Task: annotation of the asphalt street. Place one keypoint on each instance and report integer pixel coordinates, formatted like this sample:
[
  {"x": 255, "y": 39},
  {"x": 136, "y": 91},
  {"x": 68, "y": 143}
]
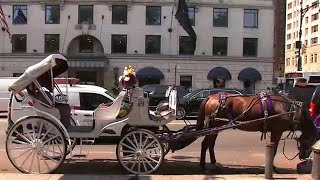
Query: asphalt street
[{"x": 239, "y": 152}]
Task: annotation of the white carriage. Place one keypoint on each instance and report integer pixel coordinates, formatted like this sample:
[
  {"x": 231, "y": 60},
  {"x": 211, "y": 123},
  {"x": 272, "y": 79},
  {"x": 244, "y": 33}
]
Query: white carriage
[{"x": 40, "y": 143}]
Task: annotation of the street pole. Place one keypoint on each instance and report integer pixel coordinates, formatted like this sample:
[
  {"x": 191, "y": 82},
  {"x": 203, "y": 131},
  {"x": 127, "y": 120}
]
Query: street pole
[
  {"x": 175, "y": 75},
  {"x": 303, "y": 12},
  {"x": 299, "y": 43}
]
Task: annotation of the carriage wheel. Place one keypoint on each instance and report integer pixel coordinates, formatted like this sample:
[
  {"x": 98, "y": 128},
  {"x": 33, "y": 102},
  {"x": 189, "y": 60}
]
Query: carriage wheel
[
  {"x": 140, "y": 152},
  {"x": 36, "y": 145}
]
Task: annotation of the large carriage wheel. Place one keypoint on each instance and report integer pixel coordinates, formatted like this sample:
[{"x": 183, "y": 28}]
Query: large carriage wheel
[
  {"x": 140, "y": 152},
  {"x": 36, "y": 145}
]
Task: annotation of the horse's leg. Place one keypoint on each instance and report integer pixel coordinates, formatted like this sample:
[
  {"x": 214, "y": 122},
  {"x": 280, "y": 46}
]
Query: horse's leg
[
  {"x": 275, "y": 138},
  {"x": 204, "y": 147},
  {"x": 212, "y": 141}
]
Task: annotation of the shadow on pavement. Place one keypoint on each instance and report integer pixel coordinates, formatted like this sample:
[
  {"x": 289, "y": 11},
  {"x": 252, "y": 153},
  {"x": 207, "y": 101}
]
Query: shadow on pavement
[{"x": 168, "y": 167}]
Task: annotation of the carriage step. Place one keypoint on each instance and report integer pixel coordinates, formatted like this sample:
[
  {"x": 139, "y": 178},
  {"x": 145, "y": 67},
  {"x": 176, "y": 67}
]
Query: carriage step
[
  {"x": 80, "y": 128},
  {"x": 79, "y": 155}
]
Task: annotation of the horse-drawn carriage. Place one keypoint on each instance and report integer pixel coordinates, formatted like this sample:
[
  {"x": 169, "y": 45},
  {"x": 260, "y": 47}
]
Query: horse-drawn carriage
[{"x": 40, "y": 143}]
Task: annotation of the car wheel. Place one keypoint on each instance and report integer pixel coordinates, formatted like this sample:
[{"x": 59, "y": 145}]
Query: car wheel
[{"x": 181, "y": 113}]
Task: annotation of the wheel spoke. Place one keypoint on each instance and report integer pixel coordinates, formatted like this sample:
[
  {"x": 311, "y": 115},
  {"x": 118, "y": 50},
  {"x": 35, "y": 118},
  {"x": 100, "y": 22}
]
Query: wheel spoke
[
  {"x": 148, "y": 162},
  {"x": 23, "y": 137},
  {"x": 22, "y": 153},
  {"x": 25, "y": 160},
  {"x": 27, "y": 146},
  {"x": 127, "y": 151},
  {"x": 20, "y": 142},
  {"x": 128, "y": 146},
  {"x": 129, "y": 156},
  {"x": 131, "y": 143},
  {"x": 34, "y": 153},
  {"x": 134, "y": 164},
  {"x": 45, "y": 142},
  {"x": 55, "y": 161},
  {"x": 40, "y": 129},
  {"x": 41, "y": 158},
  {"x": 49, "y": 130},
  {"x": 144, "y": 165},
  {"x": 140, "y": 140},
  {"x": 152, "y": 159},
  {"x": 38, "y": 162},
  {"x": 130, "y": 160},
  {"x": 145, "y": 148},
  {"x": 139, "y": 166},
  {"x": 135, "y": 140}
]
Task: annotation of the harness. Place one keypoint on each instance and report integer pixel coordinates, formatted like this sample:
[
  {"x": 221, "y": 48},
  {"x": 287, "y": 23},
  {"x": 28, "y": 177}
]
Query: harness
[{"x": 266, "y": 110}]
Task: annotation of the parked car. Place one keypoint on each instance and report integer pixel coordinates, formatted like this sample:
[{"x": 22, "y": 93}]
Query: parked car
[
  {"x": 83, "y": 100},
  {"x": 5, "y": 94},
  {"x": 314, "y": 107},
  {"x": 157, "y": 93},
  {"x": 188, "y": 106}
]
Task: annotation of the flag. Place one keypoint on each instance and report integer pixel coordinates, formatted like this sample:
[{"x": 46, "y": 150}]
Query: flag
[
  {"x": 182, "y": 15},
  {"x": 20, "y": 18},
  {"x": 3, "y": 22}
]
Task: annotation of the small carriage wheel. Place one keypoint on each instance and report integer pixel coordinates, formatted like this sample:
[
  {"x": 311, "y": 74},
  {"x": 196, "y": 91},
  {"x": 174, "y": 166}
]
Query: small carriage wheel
[
  {"x": 181, "y": 113},
  {"x": 140, "y": 152},
  {"x": 36, "y": 145}
]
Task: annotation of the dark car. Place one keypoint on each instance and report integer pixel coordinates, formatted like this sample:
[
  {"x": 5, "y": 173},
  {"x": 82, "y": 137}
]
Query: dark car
[
  {"x": 314, "y": 106},
  {"x": 157, "y": 93},
  {"x": 188, "y": 106}
]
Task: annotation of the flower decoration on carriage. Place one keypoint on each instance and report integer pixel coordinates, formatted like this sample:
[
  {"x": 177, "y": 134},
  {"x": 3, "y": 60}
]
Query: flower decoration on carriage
[{"x": 129, "y": 78}]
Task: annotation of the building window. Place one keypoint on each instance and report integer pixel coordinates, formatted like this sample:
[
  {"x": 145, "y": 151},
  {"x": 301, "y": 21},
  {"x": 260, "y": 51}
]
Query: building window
[
  {"x": 251, "y": 18},
  {"x": 220, "y": 46},
  {"x": 311, "y": 58},
  {"x": 220, "y": 17},
  {"x": 289, "y": 26},
  {"x": 19, "y": 43},
  {"x": 192, "y": 15},
  {"x": 314, "y": 41},
  {"x": 250, "y": 46},
  {"x": 86, "y": 44},
  {"x": 288, "y": 46},
  {"x": 307, "y": 20},
  {"x": 52, "y": 14},
  {"x": 289, "y": 36},
  {"x": 315, "y": 57},
  {"x": 314, "y": 28},
  {"x": 20, "y": 14},
  {"x": 85, "y": 14},
  {"x": 289, "y": 16},
  {"x": 119, "y": 14},
  {"x": 306, "y": 42},
  {"x": 290, "y": 5},
  {"x": 51, "y": 43},
  {"x": 153, "y": 44},
  {"x": 185, "y": 45},
  {"x": 118, "y": 43},
  {"x": 16, "y": 74},
  {"x": 306, "y": 31},
  {"x": 305, "y": 59},
  {"x": 186, "y": 81},
  {"x": 153, "y": 15},
  {"x": 315, "y": 17}
]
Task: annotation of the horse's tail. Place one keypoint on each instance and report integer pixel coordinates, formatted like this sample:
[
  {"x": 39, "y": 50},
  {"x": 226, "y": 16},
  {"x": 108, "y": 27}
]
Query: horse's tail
[{"x": 202, "y": 114}]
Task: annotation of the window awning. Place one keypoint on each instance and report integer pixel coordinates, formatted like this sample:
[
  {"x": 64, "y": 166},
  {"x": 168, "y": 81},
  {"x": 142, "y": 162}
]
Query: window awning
[
  {"x": 219, "y": 72},
  {"x": 250, "y": 74},
  {"x": 88, "y": 62},
  {"x": 150, "y": 72}
]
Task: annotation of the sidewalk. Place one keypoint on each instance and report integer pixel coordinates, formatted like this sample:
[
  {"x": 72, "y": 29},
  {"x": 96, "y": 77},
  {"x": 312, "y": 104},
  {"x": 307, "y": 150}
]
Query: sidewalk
[{"x": 20, "y": 176}]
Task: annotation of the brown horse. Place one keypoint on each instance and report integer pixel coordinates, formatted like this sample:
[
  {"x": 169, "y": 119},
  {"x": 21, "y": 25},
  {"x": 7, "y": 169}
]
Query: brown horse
[{"x": 246, "y": 108}]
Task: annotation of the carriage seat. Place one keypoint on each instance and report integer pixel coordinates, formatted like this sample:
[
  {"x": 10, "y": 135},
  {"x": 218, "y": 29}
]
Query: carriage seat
[
  {"x": 105, "y": 113},
  {"x": 160, "y": 113},
  {"x": 61, "y": 111}
]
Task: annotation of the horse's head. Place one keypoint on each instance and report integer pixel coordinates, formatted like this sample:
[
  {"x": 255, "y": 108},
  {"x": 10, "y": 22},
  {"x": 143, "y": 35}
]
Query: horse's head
[{"x": 308, "y": 136}]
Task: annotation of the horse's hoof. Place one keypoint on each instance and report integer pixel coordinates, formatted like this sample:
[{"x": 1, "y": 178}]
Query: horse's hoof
[
  {"x": 217, "y": 166},
  {"x": 203, "y": 167}
]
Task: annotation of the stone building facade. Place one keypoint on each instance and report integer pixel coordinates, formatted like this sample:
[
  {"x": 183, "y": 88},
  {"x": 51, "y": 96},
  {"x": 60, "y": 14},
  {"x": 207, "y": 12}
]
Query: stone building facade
[{"x": 99, "y": 38}]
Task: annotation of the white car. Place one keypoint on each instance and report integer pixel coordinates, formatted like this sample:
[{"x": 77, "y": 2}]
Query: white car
[
  {"x": 5, "y": 94},
  {"x": 83, "y": 100}
]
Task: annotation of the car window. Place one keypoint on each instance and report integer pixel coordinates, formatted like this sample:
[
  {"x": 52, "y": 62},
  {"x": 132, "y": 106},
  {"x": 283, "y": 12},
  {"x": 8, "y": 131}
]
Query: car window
[
  {"x": 111, "y": 94},
  {"x": 149, "y": 88},
  {"x": 161, "y": 89},
  {"x": 90, "y": 101},
  {"x": 202, "y": 94}
]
